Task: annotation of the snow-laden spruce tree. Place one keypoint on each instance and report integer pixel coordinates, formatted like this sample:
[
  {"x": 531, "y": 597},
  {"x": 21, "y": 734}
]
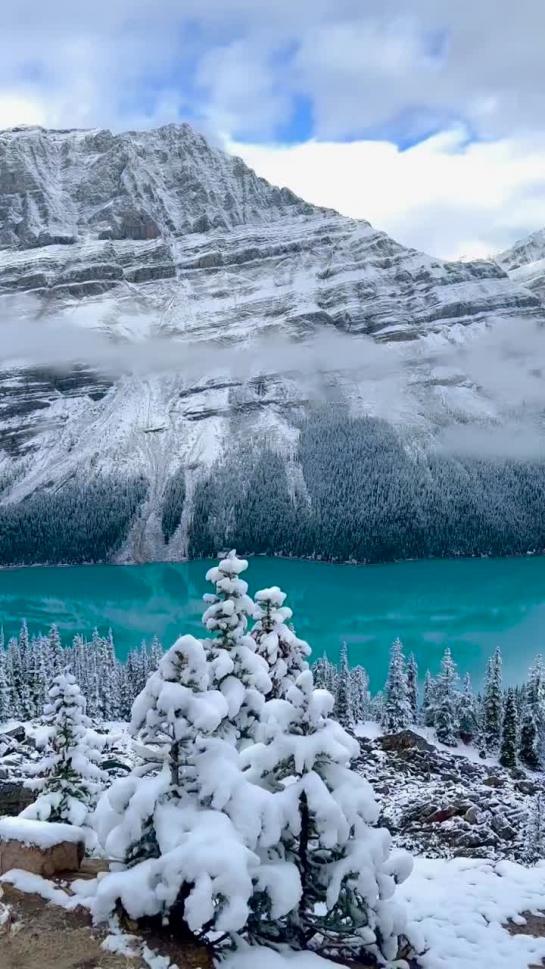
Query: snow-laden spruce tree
[
  {"x": 343, "y": 694},
  {"x": 359, "y": 692},
  {"x": 67, "y": 778},
  {"x": 285, "y": 654},
  {"x": 536, "y": 701},
  {"x": 236, "y": 668},
  {"x": 509, "y": 731},
  {"x": 397, "y": 710},
  {"x": 325, "y": 674},
  {"x": 468, "y": 717},
  {"x": 6, "y": 701},
  {"x": 446, "y": 701},
  {"x": 493, "y": 704},
  {"x": 346, "y": 871},
  {"x": 427, "y": 710},
  {"x": 56, "y": 657},
  {"x": 534, "y": 834},
  {"x": 528, "y": 740},
  {"x": 412, "y": 686},
  {"x": 186, "y": 822}
]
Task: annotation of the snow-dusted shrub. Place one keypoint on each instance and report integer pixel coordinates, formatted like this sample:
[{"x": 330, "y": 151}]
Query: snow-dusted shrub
[
  {"x": 67, "y": 777},
  {"x": 346, "y": 871}
]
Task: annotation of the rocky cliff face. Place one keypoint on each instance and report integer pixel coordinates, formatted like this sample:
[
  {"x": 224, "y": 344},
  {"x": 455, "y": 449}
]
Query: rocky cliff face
[{"x": 217, "y": 294}]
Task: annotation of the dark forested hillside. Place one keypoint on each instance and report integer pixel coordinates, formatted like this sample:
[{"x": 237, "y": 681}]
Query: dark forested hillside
[{"x": 367, "y": 499}]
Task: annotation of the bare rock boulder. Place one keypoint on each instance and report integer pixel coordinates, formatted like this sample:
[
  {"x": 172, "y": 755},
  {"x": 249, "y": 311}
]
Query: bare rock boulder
[
  {"x": 404, "y": 740},
  {"x": 40, "y": 847}
]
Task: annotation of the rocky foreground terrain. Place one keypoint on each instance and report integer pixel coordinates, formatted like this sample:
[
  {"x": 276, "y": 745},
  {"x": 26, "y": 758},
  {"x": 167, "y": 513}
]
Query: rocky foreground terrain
[
  {"x": 471, "y": 902},
  {"x": 163, "y": 307},
  {"x": 436, "y": 802},
  {"x": 445, "y": 804}
]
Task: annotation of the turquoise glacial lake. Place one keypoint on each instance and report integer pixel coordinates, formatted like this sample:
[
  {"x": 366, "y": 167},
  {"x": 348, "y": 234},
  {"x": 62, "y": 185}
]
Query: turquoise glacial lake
[{"x": 472, "y": 605}]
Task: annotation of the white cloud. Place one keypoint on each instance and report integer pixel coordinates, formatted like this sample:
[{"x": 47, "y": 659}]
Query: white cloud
[
  {"x": 444, "y": 195},
  {"x": 17, "y": 109},
  {"x": 395, "y": 68}
]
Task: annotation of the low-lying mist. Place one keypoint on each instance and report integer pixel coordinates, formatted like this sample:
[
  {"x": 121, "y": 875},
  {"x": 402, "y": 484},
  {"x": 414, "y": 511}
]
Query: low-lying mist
[{"x": 498, "y": 366}]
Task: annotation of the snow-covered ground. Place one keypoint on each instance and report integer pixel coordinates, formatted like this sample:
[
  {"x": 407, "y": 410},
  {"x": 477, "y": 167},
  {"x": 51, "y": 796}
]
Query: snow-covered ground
[
  {"x": 458, "y": 913},
  {"x": 458, "y": 910}
]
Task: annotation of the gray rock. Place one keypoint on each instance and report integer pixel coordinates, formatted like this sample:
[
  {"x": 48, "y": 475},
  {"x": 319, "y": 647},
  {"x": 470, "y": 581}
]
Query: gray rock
[{"x": 404, "y": 740}]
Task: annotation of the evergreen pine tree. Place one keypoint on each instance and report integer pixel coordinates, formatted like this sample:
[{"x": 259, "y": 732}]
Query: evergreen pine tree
[
  {"x": 427, "y": 712},
  {"x": 15, "y": 676},
  {"x": 528, "y": 743},
  {"x": 359, "y": 691},
  {"x": 446, "y": 701},
  {"x": 189, "y": 806},
  {"x": 67, "y": 778},
  {"x": 27, "y": 709},
  {"x": 345, "y": 874},
  {"x": 330, "y": 681},
  {"x": 237, "y": 669},
  {"x": 468, "y": 719},
  {"x": 509, "y": 732},
  {"x": 319, "y": 672},
  {"x": 56, "y": 651},
  {"x": 397, "y": 710},
  {"x": 534, "y": 835},
  {"x": 286, "y": 655},
  {"x": 535, "y": 695},
  {"x": 5, "y": 692},
  {"x": 343, "y": 699},
  {"x": 493, "y": 704},
  {"x": 412, "y": 686}
]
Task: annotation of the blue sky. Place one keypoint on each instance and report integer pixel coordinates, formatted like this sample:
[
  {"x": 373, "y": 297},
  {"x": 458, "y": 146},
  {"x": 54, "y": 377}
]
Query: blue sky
[{"x": 424, "y": 116}]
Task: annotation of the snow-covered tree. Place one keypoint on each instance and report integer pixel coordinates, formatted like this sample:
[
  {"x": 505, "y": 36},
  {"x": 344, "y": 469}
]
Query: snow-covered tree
[
  {"x": 412, "y": 686},
  {"x": 6, "y": 707},
  {"x": 468, "y": 717},
  {"x": 534, "y": 834},
  {"x": 359, "y": 692},
  {"x": 509, "y": 732},
  {"x": 186, "y": 822},
  {"x": 493, "y": 704},
  {"x": 536, "y": 701},
  {"x": 286, "y": 655},
  {"x": 343, "y": 698},
  {"x": 56, "y": 652},
  {"x": 67, "y": 778},
  {"x": 174, "y": 710},
  {"x": 446, "y": 701},
  {"x": 237, "y": 670},
  {"x": 397, "y": 710},
  {"x": 528, "y": 741},
  {"x": 38, "y": 672},
  {"x": 325, "y": 674},
  {"x": 346, "y": 873},
  {"x": 427, "y": 711}
]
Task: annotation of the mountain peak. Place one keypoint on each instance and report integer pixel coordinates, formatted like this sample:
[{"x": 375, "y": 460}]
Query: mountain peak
[
  {"x": 525, "y": 262},
  {"x": 61, "y": 186}
]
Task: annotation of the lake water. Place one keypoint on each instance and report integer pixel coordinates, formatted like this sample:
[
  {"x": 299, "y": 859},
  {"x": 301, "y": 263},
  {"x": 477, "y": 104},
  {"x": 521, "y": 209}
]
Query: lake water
[{"x": 470, "y": 604}]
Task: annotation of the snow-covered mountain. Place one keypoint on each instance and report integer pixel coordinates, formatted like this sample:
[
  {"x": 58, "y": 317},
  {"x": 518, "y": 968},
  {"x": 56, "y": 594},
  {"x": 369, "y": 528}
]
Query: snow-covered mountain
[
  {"x": 164, "y": 309},
  {"x": 525, "y": 262}
]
